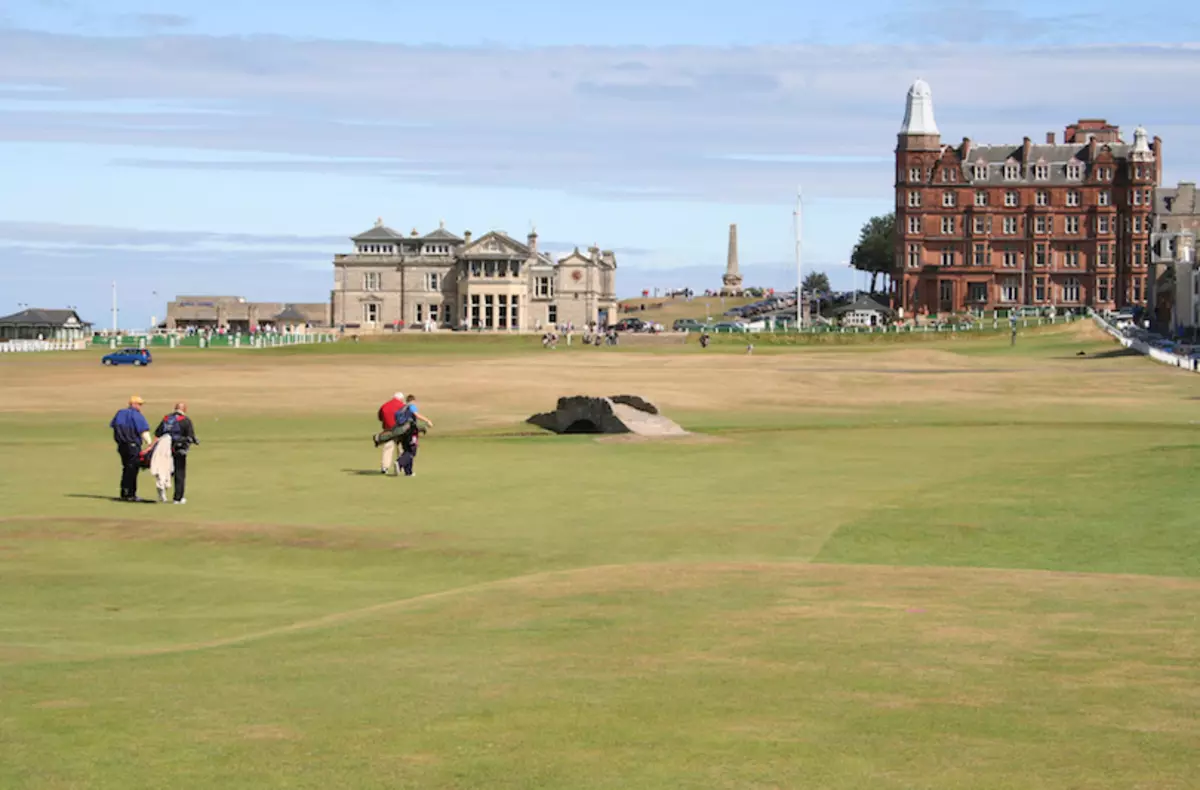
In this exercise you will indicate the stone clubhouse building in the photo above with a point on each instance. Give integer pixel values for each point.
(492, 282)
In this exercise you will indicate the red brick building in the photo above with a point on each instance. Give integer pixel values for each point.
(1047, 224)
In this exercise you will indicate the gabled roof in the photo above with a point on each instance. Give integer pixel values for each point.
(380, 232)
(37, 315)
(862, 303)
(290, 313)
(441, 234)
(504, 240)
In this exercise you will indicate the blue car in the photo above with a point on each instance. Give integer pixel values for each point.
(128, 356)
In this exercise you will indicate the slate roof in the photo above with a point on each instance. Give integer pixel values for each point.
(290, 313)
(378, 233)
(863, 303)
(40, 316)
(441, 234)
(1057, 157)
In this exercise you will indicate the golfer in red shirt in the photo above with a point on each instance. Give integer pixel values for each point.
(387, 418)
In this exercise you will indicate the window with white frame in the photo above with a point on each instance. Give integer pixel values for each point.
(947, 257)
(1039, 224)
(1137, 254)
(1139, 172)
(980, 255)
(1010, 259)
(1104, 174)
(1039, 289)
(544, 286)
(1010, 290)
(1071, 257)
(980, 197)
(914, 199)
(978, 223)
(1135, 197)
(1102, 289)
(1011, 199)
(370, 313)
(1039, 255)
(436, 249)
(1070, 290)
(914, 174)
(420, 312)
(980, 172)
(1010, 226)
(1042, 198)
(1137, 224)
(1102, 224)
(1104, 255)
(1012, 171)
(1074, 171)
(1104, 198)
(947, 226)
(914, 224)
(914, 256)
(1071, 224)
(1041, 172)
(945, 174)
(1146, 197)
(372, 281)
(1073, 197)
(948, 199)
(433, 281)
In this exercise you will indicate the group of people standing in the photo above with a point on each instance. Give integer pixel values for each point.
(400, 419)
(165, 453)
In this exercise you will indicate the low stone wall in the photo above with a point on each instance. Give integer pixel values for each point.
(1144, 348)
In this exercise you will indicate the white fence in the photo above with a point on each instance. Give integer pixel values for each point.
(1185, 361)
(20, 346)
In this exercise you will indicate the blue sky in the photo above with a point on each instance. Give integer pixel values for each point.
(221, 147)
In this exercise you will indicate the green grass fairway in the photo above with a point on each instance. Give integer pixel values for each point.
(941, 564)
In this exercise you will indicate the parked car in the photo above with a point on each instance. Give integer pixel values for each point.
(687, 324)
(128, 356)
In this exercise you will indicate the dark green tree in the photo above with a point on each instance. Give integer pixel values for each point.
(876, 248)
(816, 282)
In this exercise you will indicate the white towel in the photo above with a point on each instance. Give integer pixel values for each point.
(162, 465)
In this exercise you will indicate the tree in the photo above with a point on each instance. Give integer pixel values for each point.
(876, 248)
(816, 282)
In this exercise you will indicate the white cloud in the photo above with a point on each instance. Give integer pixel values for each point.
(732, 125)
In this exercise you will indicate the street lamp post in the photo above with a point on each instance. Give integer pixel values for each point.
(798, 220)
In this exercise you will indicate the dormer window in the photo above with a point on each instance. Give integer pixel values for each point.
(1012, 171)
(1104, 173)
(980, 172)
(1074, 171)
(1041, 172)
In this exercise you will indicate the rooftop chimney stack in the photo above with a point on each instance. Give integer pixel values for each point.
(1050, 138)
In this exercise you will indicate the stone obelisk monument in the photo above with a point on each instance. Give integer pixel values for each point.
(733, 278)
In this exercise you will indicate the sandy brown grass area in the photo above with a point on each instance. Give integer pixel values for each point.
(480, 392)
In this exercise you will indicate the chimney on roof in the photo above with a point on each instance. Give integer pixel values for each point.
(966, 148)
(466, 237)
(1092, 148)
(1026, 150)
(1050, 138)
(532, 239)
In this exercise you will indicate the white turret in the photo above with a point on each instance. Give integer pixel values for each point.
(1141, 146)
(918, 110)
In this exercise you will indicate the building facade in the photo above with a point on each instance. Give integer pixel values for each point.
(235, 314)
(1175, 283)
(493, 282)
(40, 324)
(1050, 224)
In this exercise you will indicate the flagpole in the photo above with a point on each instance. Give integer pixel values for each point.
(798, 221)
(114, 306)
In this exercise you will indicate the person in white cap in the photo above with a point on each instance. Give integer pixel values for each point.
(388, 414)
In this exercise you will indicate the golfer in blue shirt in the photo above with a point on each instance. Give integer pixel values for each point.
(130, 432)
